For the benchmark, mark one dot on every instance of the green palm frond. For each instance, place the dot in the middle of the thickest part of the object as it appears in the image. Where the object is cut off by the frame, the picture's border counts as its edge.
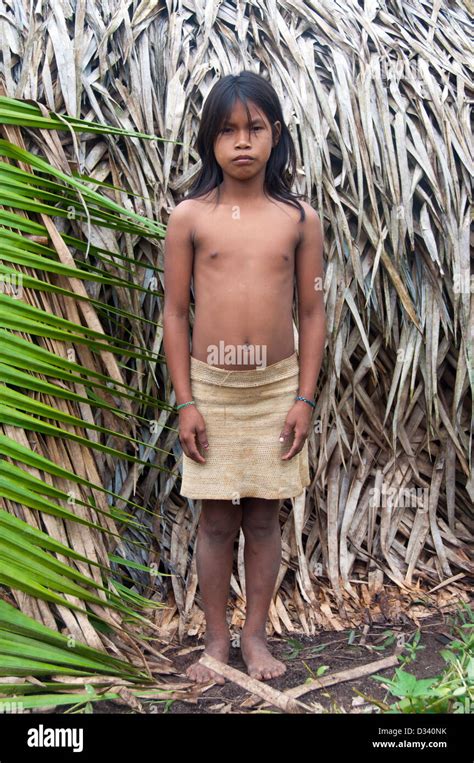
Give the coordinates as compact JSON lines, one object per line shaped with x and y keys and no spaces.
{"x":55,"y":366}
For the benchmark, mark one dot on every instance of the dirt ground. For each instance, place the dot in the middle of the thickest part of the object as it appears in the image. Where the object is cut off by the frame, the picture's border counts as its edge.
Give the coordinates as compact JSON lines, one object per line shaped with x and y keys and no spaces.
{"x":303,"y":657}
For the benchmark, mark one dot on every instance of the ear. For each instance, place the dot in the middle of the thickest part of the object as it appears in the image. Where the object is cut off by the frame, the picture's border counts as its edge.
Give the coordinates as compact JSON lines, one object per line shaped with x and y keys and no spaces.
{"x":277,"y":132}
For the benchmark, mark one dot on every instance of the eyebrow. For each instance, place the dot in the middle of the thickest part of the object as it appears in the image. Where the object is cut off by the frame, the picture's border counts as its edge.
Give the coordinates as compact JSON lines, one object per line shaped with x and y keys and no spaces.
{"x":253,"y":122}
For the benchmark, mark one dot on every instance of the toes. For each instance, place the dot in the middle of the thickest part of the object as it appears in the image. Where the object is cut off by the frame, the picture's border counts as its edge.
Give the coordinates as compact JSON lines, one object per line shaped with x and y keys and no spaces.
{"x":194,"y":674}
{"x":265,"y":674}
{"x":202,"y":675}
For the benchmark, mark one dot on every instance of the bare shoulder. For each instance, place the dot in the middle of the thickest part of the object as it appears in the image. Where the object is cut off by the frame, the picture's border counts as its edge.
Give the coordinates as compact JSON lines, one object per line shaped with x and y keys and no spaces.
{"x":311,"y":215}
{"x":311,"y":228}
{"x":311,"y":235}
{"x":182,"y":220}
{"x":184,"y":210}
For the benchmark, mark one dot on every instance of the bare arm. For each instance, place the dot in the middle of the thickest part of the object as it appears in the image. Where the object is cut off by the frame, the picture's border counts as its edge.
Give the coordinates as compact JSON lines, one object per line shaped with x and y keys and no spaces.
{"x":311,"y":313}
{"x":179,"y":255}
{"x":312,"y":328}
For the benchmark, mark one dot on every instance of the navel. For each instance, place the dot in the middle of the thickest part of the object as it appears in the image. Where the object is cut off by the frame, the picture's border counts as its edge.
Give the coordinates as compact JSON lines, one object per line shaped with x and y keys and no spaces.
{"x":214,"y":254}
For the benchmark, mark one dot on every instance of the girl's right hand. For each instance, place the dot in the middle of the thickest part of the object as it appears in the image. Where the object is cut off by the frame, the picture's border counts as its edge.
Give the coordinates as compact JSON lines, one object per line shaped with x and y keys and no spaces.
{"x":192,"y":430}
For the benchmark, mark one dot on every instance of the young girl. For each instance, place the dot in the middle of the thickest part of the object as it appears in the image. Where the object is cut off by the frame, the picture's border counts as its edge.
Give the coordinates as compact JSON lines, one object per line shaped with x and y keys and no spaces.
{"x":245,"y":396}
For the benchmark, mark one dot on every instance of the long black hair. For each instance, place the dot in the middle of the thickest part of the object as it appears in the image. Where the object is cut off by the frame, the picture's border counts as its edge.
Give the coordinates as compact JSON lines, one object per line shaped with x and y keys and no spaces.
{"x":280,"y":169}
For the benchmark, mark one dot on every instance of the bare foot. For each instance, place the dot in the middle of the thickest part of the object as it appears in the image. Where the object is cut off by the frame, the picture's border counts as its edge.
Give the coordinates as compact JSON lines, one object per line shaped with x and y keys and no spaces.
{"x":217,"y":647}
{"x":259,"y":661}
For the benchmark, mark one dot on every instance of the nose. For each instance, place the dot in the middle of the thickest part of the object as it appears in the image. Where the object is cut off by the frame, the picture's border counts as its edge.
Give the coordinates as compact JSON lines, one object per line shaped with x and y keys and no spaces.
{"x":242,"y":138}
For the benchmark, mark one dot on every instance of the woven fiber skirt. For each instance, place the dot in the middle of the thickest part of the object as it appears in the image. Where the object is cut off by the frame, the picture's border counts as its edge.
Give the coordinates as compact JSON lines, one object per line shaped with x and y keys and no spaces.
{"x":244,"y":412}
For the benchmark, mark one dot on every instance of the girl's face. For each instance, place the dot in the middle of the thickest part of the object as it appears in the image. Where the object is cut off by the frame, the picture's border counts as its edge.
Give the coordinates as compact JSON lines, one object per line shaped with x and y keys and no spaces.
{"x":237,"y":138}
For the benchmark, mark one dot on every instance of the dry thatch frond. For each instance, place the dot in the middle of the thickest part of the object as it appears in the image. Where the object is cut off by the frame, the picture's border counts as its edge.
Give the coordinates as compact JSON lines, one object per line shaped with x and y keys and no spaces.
{"x":378,"y":100}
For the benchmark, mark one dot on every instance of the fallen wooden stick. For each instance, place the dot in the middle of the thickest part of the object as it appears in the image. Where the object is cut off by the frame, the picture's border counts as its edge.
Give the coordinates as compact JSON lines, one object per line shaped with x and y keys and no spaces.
{"x":343,"y":675}
{"x":273,"y":696}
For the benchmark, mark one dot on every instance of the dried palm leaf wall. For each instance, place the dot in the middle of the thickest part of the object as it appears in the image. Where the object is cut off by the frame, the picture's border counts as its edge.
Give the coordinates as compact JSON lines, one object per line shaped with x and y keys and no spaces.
{"x":378,"y":98}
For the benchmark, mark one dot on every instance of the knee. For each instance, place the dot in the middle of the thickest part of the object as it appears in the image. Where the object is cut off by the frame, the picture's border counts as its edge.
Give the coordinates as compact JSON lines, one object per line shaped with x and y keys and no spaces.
{"x":260,"y":529}
{"x":219,"y":531}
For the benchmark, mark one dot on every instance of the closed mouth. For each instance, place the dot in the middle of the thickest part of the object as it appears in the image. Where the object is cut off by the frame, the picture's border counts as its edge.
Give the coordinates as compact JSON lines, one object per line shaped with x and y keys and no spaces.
{"x":240,"y":158}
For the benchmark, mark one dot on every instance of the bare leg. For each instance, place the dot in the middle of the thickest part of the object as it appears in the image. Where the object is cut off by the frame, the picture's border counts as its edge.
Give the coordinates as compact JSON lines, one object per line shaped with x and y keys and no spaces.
{"x":262,"y":555}
{"x":218,"y":526}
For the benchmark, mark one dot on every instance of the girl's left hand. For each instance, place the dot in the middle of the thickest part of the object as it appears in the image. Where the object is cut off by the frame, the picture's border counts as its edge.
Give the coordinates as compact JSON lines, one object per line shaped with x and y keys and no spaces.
{"x":298,"y":421}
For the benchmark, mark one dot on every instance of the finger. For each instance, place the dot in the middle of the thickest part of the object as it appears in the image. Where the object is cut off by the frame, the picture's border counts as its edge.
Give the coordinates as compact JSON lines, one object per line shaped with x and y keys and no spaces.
{"x":295,"y":448}
{"x":195,"y":454}
{"x":202,"y":437}
{"x":286,"y":432}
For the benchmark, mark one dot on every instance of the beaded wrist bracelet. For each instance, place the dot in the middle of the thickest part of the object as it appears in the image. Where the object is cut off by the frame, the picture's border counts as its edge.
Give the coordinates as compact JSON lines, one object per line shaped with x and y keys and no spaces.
{"x":305,"y":399}
{"x":181,"y":405}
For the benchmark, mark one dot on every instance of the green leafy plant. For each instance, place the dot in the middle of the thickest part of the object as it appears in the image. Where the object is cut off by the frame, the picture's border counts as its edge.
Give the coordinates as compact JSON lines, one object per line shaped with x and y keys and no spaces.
{"x":452,"y":691}
{"x":66,"y":407}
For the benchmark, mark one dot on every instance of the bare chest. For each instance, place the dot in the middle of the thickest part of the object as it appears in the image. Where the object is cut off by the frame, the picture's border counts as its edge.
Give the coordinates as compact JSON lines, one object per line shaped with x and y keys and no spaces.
{"x":229,"y":236}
